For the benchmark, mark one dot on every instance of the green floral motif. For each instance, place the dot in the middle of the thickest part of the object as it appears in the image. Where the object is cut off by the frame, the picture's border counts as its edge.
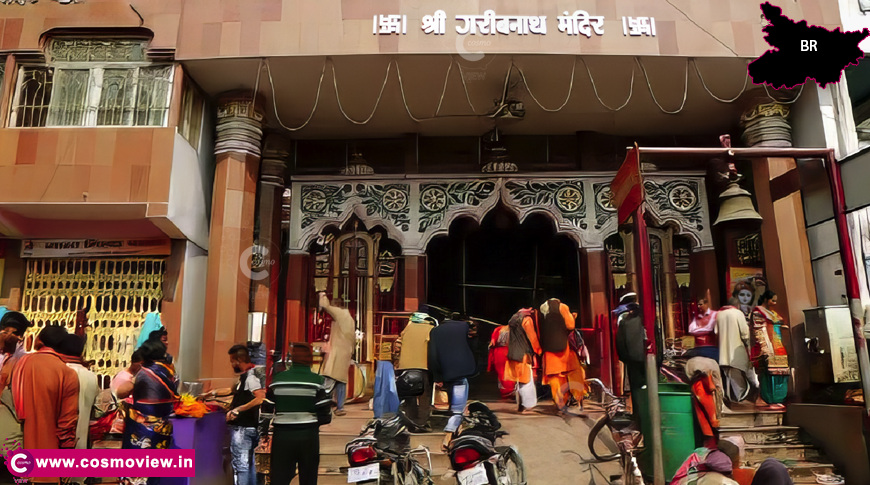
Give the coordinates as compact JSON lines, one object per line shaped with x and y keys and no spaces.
{"x":565,"y":196}
{"x":322,"y":200}
{"x":390,"y":202}
{"x":676,"y":199}
{"x":436,"y":199}
{"x":604,"y":209}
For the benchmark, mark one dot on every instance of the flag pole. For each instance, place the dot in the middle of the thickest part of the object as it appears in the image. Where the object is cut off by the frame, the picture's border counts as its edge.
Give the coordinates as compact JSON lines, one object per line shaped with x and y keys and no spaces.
{"x":628,"y":196}
{"x":647,"y":301}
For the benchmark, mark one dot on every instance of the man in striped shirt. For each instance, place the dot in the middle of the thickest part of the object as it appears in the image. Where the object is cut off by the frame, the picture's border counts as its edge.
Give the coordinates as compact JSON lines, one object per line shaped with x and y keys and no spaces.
{"x":301,"y":406}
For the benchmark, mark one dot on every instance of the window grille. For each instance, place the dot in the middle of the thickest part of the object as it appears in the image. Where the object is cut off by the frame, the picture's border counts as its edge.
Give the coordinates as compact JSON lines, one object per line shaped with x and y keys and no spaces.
{"x":69,"y":98}
{"x":93,"y":82}
{"x":34,"y":92}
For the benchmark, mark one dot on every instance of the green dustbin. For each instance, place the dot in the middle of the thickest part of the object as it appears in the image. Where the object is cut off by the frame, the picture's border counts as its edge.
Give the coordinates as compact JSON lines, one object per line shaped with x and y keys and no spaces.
{"x":678,"y":428}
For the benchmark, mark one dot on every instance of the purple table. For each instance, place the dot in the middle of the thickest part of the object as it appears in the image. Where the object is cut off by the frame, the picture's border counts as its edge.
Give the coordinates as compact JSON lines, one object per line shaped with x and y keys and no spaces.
{"x":206,"y":435}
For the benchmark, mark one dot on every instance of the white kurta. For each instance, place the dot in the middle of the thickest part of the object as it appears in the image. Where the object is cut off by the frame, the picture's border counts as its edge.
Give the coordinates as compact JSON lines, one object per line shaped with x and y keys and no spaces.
{"x":733,"y":331}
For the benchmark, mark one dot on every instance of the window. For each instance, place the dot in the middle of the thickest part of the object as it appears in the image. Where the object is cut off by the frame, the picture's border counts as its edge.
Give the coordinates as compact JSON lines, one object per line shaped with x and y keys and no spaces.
{"x":93,"y":83}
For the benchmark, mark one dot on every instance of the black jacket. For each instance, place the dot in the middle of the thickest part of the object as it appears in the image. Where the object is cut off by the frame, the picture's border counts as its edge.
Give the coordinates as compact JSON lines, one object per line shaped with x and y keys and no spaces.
{"x":450,"y":356}
{"x":630,"y":345}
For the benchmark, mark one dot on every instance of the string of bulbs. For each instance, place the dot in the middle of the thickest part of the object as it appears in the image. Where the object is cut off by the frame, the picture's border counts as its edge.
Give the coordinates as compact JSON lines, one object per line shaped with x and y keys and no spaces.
{"x":475,"y":113}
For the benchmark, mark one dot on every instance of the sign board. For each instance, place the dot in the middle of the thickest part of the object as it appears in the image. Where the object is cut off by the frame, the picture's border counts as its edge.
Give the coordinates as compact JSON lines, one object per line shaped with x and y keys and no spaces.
{"x":627,"y":186}
{"x":65,"y":248}
{"x":577,"y":23}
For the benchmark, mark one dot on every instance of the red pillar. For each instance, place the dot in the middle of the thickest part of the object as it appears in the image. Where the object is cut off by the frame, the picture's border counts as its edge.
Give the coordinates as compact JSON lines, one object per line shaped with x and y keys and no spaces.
{"x":415,"y":282}
{"x":296,"y":315}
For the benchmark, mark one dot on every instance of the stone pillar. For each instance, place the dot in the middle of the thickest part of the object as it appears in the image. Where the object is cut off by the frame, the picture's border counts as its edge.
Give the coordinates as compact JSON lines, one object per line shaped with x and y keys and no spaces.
{"x":237,"y":158}
{"x":415,"y":282}
{"x":595,"y":285}
{"x":267,"y":239}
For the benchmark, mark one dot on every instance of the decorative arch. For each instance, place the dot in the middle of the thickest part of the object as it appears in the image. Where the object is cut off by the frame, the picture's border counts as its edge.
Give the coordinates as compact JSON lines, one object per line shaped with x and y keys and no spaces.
{"x":414,"y":211}
{"x":320,"y":205}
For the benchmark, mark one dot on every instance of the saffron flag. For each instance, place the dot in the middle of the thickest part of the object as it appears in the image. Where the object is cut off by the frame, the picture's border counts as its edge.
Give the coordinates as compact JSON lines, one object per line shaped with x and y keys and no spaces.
{"x":627,"y":186}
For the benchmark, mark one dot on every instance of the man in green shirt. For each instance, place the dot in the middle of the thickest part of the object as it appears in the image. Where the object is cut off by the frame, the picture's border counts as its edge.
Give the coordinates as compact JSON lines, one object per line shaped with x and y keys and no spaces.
{"x":301,"y":406}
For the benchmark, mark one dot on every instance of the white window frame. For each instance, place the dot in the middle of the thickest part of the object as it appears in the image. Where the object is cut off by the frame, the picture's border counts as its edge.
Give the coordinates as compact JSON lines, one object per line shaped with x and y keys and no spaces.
{"x":95,"y":89}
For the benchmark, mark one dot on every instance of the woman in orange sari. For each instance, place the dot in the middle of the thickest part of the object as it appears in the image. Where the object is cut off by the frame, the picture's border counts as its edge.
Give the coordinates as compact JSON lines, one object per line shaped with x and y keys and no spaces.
{"x":768,"y":353}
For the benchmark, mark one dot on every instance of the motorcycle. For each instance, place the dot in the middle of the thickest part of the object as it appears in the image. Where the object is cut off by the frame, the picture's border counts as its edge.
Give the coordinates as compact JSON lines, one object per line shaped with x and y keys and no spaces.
{"x":382,"y":455}
{"x":473,"y":455}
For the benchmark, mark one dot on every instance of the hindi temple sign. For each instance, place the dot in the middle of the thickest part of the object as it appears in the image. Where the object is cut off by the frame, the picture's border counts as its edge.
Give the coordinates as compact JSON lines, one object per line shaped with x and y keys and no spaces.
{"x":578,"y":23}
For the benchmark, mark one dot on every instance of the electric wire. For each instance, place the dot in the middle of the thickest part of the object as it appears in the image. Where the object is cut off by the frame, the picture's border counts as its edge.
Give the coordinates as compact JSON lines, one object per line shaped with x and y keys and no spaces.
{"x":377,"y":101}
{"x":505,"y":91}
{"x":656,"y":101}
{"x":529,"y":89}
{"x":467,"y":96}
{"x":595,"y":89}
{"x":745,"y":83}
{"x":800,"y":91}
{"x":275,"y":102}
{"x":443,"y":89}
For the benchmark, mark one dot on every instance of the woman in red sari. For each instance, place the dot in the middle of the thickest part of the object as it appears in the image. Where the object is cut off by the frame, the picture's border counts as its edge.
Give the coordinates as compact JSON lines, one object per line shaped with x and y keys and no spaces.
{"x":498,"y":354}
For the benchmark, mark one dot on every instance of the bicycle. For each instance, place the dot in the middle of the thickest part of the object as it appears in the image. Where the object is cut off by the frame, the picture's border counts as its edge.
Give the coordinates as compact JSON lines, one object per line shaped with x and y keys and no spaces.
{"x":622,"y":429}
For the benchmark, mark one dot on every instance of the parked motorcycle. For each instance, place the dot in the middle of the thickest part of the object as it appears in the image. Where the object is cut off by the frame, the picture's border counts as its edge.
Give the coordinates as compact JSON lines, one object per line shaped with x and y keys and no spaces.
{"x":474,"y":456}
{"x":382,"y":455}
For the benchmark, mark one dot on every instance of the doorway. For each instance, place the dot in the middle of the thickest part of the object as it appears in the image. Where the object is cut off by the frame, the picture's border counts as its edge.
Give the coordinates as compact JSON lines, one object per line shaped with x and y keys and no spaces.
{"x":492,"y":269}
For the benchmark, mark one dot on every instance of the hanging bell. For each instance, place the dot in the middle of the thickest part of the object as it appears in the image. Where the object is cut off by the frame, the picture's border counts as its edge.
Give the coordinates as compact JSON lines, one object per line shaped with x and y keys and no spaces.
{"x":736,"y":205}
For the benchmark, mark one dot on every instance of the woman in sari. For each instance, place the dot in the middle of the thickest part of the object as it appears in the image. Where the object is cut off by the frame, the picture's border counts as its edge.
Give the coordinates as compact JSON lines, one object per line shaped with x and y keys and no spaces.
{"x":147,"y":424}
{"x":768,"y":352}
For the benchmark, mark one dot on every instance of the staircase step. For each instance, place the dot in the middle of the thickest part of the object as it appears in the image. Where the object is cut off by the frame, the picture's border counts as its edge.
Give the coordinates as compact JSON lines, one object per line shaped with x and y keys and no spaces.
{"x":755,"y":454}
{"x":333,"y":462}
{"x":806,"y":469}
{"x":334,"y":443}
{"x":765,"y":435}
{"x":751,"y":419}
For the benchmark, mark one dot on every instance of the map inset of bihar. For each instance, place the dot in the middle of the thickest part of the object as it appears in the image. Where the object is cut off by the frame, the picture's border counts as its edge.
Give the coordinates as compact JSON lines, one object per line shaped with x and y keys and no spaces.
{"x":800,"y":52}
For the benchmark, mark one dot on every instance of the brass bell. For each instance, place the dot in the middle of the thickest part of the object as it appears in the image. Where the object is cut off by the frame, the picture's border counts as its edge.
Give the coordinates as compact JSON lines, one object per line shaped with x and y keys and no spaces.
{"x":735,"y":205}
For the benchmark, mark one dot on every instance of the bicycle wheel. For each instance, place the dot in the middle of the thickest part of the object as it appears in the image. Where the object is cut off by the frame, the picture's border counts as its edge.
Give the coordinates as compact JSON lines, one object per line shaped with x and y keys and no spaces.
{"x":596,"y":430}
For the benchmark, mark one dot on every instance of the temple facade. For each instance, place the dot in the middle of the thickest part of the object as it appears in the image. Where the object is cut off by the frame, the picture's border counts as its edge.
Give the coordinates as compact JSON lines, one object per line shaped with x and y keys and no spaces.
{"x":221,"y":162}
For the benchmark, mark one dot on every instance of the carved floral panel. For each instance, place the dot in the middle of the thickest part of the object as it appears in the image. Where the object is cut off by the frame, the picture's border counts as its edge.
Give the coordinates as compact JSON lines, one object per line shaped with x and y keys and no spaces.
{"x":415,"y":211}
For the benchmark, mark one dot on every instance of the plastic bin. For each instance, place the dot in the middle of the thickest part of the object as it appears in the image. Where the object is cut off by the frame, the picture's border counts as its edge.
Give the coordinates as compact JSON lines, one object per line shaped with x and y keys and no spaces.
{"x":678,"y":428}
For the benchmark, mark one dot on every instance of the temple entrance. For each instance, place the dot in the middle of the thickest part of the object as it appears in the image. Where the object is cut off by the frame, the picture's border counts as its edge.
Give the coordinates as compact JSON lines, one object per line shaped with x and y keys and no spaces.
{"x":492,"y":269}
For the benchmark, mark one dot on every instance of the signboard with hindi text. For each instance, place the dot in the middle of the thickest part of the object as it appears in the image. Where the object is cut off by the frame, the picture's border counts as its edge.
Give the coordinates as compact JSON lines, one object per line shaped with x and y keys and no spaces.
{"x":65,"y":248}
